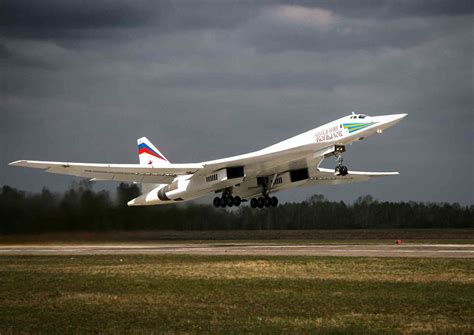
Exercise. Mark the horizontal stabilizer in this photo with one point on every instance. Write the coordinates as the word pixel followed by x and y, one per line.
pixel 326 176
pixel 361 173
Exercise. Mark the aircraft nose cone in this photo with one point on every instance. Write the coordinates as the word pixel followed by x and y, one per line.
pixel 398 117
pixel 390 120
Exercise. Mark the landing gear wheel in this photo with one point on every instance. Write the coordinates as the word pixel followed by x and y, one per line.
pixel 343 171
pixel 267 201
pixel 230 201
pixel 223 202
pixel 254 203
pixel 274 201
pixel 237 201
pixel 260 202
pixel 217 202
pixel 340 169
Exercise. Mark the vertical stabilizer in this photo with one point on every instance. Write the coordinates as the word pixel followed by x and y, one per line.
pixel 148 154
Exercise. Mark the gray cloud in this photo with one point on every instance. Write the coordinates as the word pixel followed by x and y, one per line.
pixel 396 9
pixel 99 19
pixel 209 79
pixel 390 9
pixel 289 27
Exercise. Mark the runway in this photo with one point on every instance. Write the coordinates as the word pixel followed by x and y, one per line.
pixel 248 249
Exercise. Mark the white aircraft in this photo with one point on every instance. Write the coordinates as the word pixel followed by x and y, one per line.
pixel 254 176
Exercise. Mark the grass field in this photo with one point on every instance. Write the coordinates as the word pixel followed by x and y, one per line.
pixel 235 295
pixel 307 235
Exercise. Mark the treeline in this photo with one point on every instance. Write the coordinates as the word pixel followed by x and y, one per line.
pixel 81 208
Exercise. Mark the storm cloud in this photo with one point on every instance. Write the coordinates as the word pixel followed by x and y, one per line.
pixel 80 81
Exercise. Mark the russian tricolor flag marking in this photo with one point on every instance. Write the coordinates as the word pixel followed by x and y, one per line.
pixel 143 148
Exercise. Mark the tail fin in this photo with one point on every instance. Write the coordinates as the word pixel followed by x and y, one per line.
pixel 148 154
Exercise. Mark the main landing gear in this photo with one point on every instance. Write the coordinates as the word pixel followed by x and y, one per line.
pixel 340 169
pixel 227 200
pixel 265 201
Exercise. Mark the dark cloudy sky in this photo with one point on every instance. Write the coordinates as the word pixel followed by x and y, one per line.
pixel 81 80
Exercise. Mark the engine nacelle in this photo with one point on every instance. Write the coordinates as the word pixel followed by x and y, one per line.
pixel 176 191
pixel 185 188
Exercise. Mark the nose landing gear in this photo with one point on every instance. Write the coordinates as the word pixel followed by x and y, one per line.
pixel 340 169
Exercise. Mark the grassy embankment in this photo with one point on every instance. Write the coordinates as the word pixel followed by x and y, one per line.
pixel 189 294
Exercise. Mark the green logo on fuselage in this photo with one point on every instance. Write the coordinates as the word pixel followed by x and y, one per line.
pixel 352 127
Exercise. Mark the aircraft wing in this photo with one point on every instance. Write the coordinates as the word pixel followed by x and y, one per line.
pixel 327 177
pixel 268 162
pixel 116 172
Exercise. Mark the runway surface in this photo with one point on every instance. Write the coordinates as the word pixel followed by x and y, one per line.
pixel 265 249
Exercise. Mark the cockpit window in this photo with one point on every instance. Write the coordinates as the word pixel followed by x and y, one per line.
pixel 358 116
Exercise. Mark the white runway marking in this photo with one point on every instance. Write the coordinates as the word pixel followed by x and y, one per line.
pixel 359 250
